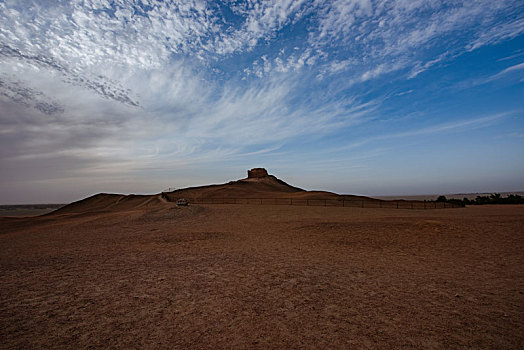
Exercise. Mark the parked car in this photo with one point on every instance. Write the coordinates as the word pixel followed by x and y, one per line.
pixel 182 202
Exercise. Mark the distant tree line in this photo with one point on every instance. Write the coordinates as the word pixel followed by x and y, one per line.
pixel 494 198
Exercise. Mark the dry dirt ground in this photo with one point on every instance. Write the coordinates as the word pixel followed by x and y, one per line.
pixel 263 277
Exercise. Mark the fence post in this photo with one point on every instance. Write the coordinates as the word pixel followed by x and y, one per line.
pixel 397 204
pixel 325 202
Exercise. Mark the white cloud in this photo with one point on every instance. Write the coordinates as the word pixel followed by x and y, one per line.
pixel 455 126
pixel 500 75
pixel 261 20
pixel 182 119
pixel 511 69
pixel 102 85
pixel 85 34
pixel 498 33
pixel 422 67
pixel 375 33
pixel 95 35
pixel 342 65
pixel 510 57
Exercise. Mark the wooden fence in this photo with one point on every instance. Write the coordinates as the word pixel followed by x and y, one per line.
pixel 360 203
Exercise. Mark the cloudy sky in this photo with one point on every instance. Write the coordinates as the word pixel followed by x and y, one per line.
pixel 374 97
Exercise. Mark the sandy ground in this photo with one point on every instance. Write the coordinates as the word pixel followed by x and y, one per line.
pixel 263 277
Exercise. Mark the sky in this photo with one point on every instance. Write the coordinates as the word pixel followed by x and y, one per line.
pixel 370 97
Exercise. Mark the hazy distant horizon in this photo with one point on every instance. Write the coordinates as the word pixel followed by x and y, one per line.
pixel 411 195
pixel 366 97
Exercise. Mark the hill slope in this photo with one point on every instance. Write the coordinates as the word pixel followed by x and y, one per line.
pixel 261 186
pixel 106 202
pixel 267 186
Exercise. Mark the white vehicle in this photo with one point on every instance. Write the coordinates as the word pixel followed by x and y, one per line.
pixel 182 201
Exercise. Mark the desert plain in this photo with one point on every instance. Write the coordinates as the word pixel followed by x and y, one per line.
pixel 155 275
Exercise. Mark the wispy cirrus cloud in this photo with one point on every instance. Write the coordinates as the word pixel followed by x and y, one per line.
pixel 498 33
pixel 510 72
pixel 514 68
pixel 443 128
pixel 376 33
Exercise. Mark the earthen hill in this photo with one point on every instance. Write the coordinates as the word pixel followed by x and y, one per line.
pixel 258 185
pixel 258 188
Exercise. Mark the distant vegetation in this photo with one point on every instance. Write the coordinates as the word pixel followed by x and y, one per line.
pixel 494 198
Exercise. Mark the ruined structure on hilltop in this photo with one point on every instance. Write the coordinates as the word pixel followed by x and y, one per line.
pixel 257 173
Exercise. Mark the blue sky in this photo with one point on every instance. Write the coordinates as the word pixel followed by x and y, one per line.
pixel 354 96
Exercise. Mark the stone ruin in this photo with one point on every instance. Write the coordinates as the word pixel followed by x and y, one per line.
pixel 257 173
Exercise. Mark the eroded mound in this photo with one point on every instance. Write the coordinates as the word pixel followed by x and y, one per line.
pixel 259 184
pixel 105 202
